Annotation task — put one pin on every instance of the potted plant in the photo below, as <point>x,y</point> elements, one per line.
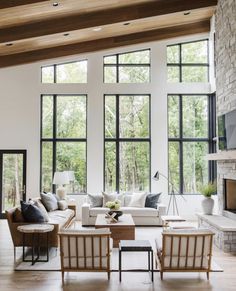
<point>208,203</point>
<point>114,207</point>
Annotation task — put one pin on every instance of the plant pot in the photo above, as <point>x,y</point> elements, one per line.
<point>207,205</point>
<point>118,213</point>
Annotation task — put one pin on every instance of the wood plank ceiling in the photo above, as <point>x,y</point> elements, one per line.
<point>34,30</point>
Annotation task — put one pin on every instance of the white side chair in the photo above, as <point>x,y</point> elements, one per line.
<point>85,251</point>
<point>185,251</point>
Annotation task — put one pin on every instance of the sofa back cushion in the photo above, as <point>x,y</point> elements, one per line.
<point>40,205</point>
<point>138,200</point>
<point>95,200</point>
<point>152,200</point>
<point>112,197</point>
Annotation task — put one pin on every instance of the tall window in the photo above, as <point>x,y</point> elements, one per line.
<point>127,142</point>
<point>73,72</point>
<point>191,131</point>
<point>63,139</point>
<point>132,67</point>
<point>188,62</point>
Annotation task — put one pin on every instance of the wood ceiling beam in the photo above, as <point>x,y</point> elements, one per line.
<point>13,3</point>
<point>102,44</point>
<point>93,19</point>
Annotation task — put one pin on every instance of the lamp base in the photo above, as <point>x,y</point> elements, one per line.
<point>61,193</point>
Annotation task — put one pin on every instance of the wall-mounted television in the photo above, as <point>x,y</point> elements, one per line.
<point>227,130</point>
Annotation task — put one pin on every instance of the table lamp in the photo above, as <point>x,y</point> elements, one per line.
<point>60,179</point>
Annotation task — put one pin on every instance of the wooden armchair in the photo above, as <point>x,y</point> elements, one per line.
<point>185,251</point>
<point>85,251</point>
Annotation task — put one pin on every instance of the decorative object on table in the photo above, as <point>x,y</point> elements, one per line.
<point>111,216</point>
<point>173,193</point>
<point>114,208</point>
<point>207,202</point>
<point>61,178</point>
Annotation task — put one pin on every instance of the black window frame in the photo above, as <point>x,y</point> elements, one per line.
<point>117,65</point>
<point>180,65</point>
<point>117,139</point>
<point>56,139</point>
<point>210,139</point>
<point>55,72</point>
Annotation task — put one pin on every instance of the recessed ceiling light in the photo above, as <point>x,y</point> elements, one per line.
<point>97,29</point>
<point>9,44</point>
<point>66,34</point>
<point>126,23</point>
<point>187,12</point>
<point>55,4</point>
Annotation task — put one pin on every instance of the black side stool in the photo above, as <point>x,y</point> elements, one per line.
<point>136,246</point>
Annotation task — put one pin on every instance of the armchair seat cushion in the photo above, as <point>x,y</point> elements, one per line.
<point>60,217</point>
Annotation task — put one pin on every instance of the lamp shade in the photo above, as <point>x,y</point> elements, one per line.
<point>60,178</point>
<point>71,175</point>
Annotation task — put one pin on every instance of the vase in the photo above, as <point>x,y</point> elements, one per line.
<point>118,213</point>
<point>208,205</point>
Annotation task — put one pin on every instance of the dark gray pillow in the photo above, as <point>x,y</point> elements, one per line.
<point>31,213</point>
<point>49,201</point>
<point>96,200</point>
<point>152,200</point>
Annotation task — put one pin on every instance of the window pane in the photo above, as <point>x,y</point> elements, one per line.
<point>110,60</point>
<point>47,116</point>
<point>134,166</point>
<point>47,74</point>
<point>132,74</point>
<point>110,166</point>
<point>110,116</point>
<point>110,74</point>
<point>134,116</point>
<point>173,74</point>
<point>195,116</point>
<point>71,116</point>
<point>47,150</point>
<point>173,116</point>
<point>173,54</point>
<point>140,57</point>
<point>195,166</point>
<point>195,52</point>
<point>71,156</point>
<point>72,72</point>
<point>174,166</point>
<point>194,74</point>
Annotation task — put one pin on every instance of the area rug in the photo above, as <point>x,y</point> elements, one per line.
<point>130,260</point>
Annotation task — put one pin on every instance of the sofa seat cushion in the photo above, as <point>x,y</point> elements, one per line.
<point>136,211</point>
<point>98,210</point>
<point>60,217</point>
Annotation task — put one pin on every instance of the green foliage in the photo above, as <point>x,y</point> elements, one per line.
<point>113,205</point>
<point>208,189</point>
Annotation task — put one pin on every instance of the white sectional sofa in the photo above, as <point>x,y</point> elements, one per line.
<point>141,216</point>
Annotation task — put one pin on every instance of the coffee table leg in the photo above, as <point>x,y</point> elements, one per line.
<point>23,247</point>
<point>120,265</point>
<point>152,263</point>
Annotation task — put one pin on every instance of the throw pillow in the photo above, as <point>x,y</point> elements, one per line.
<point>95,200</point>
<point>18,216</point>
<point>40,205</point>
<point>152,200</point>
<point>62,205</point>
<point>31,213</point>
<point>112,197</point>
<point>138,200</point>
<point>49,201</point>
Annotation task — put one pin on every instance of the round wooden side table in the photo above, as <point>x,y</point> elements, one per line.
<point>35,230</point>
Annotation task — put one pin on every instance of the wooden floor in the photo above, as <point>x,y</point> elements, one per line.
<point>51,281</point>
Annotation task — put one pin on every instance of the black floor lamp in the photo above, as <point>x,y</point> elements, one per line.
<point>172,200</point>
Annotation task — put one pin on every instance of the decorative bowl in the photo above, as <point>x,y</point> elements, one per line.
<point>118,213</point>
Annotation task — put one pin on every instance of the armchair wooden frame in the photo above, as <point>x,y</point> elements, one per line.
<point>199,263</point>
<point>98,267</point>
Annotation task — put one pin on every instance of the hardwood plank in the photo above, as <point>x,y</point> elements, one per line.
<point>96,45</point>
<point>99,18</point>
<point>14,3</point>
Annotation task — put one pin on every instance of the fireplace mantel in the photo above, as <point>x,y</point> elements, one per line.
<point>222,156</point>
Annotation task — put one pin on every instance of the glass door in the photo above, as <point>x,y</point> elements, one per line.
<point>12,179</point>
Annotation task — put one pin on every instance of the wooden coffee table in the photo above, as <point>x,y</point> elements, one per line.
<point>124,229</point>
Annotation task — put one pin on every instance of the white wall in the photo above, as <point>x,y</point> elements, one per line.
<point>20,114</point>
